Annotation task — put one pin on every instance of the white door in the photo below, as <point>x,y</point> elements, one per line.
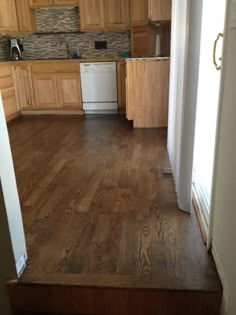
<point>207,101</point>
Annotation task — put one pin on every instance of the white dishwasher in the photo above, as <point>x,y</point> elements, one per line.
<point>99,87</point>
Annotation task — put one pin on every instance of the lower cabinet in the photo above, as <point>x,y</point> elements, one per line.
<point>8,93</point>
<point>69,90</point>
<point>45,90</point>
<point>23,86</point>
<point>148,92</point>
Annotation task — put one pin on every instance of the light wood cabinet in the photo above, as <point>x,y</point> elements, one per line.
<point>69,90</point>
<point>50,3</point>
<point>26,17</point>
<point>56,85</point>
<point>92,15</point>
<point>104,15</point>
<point>23,86</point>
<point>139,12</point>
<point>45,90</point>
<point>40,3</point>
<point>117,14</point>
<point>147,91</point>
<point>160,10</point>
<point>66,3</point>
<point>8,91</point>
<point>8,17</point>
<point>143,11</point>
<point>121,79</point>
<point>143,39</point>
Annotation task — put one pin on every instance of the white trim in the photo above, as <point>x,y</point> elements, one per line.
<point>225,285</point>
<point>21,264</point>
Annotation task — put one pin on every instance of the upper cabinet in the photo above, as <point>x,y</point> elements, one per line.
<point>8,17</point>
<point>53,3</point>
<point>68,3</point>
<point>139,12</point>
<point>26,18</point>
<point>103,15</point>
<point>16,17</point>
<point>143,11</point>
<point>40,3</point>
<point>92,15</point>
<point>160,10</point>
<point>117,14</point>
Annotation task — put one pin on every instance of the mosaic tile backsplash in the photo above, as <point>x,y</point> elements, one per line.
<point>64,20</point>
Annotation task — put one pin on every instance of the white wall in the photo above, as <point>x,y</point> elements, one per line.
<point>224,189</point>
<point>12,239</point>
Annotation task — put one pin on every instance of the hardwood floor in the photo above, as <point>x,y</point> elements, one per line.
<point>99,208</point>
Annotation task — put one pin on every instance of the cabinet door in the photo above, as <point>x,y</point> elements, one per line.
<point>139,12</point>
<point>117,14</point>
<point>45,90</point>
<point>160,10</point>
<point>66,3</point>
<point>69,90</point>
<point>143,41</point>
<point>23,85</point>
<point>26,18</point>
<point>40,3</point>
<point>8,17</point>
<point>92,15</point>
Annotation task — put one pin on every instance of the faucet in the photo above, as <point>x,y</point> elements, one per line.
<point>68,47</point>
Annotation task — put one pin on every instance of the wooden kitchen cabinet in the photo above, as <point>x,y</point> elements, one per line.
<point>117,14</point>
<point>147,88</point>
<point>143,11</point>
<point>40,3</point>
<point>69,90</point>
<point>66,3</point>
<point>23,86</point>
<point>52,3</point>
<point>139,12</point>
<point>143,40</point>
<point>8,16</point>
<point>121,79</point>
<point>8,91</point>
<point>160,10</point>
<point>26,17</point>
<point>45,91</point>
<point>92,15</point>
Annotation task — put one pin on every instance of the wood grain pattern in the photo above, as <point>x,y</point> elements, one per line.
<point>148,93</point>
<point>102,223</point>
<point>95,200</point>
<point>107,301</point>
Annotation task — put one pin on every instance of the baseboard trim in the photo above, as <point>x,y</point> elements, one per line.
<point>13,116</point>
<point>226,291</point>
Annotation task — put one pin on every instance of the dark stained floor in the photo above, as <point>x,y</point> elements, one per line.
<point>99,207</point>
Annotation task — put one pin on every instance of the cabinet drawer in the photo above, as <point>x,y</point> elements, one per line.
<point>54,68</point>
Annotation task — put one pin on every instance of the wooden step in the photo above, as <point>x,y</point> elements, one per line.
<point>30,299</point>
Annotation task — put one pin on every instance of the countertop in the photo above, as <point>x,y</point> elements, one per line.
<point>82,60</point>
<point>103,59</point>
